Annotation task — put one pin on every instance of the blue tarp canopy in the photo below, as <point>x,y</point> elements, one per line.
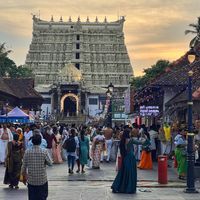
<point>16,115</point>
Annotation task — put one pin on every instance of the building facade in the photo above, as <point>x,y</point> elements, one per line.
<point>96,49</point>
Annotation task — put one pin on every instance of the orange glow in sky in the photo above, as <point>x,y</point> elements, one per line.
<point>154,29</point>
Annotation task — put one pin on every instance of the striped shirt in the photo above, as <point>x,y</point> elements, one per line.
<point>34,163</point>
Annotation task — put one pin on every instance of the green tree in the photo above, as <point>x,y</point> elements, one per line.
<point>150,74</point>
<point>196,31</point>
<point>24,72</point>
<point>8,66</point>
<point>3,57</point>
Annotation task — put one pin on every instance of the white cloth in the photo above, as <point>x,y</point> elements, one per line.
<point>3,144</point>
<point>108,150</point>
<point>99,137</point>
<point>153,135</point>
<point>27,136</point>
<point>197,137</point>
<point>50,153</point>
<point>178,140</point>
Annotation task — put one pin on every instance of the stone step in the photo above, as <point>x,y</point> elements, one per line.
<point>73,120</point>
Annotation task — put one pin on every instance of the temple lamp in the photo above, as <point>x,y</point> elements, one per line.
<point>109,94</point>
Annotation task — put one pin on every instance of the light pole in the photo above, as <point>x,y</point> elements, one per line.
<point>7,112</point>
<point>190,136</point>
<point>109,94</point>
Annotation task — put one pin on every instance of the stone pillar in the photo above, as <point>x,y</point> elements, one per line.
<point>59,98</point>
<point>52,103</point>
<point>79,102</point>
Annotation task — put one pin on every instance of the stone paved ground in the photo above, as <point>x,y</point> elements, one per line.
<point>95,185</point>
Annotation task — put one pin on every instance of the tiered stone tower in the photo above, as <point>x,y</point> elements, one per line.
<point>97,49</point>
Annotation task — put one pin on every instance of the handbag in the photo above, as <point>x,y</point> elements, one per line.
<point>23,179</point>
<point>64,146</point>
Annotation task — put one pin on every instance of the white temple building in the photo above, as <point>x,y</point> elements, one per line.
<point>87,54</point>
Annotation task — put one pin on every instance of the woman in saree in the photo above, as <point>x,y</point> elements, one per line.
<point>180,154</point>
<point>56,147</point>
<point>13,162</point>
<point>146,158</point>
<point>97,147</point>
<point>19,132</point>
<point>126,179</point>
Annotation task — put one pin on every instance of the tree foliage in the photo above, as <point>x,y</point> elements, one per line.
<point>196,31</point>
<point>8,66</point>
<point>150,74</point>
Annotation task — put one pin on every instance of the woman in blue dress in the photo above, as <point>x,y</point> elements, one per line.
<point>126,179</point>
<point>84,150</point>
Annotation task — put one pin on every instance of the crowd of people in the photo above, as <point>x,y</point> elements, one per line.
<point>90,145</point>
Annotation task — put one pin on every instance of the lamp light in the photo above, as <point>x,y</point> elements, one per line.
<point>111,87</point>
<point>191,55</point>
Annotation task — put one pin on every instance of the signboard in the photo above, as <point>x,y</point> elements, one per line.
<point>149,110</point>
<point>119,116</point>
<point>118,109</point>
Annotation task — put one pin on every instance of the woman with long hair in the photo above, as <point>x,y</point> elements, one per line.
<point>83,150</point>
<point>13,162</point>
<point>145,159</point>
<point>97,147</point>
<point>56,146</point>
<point>126,179</point>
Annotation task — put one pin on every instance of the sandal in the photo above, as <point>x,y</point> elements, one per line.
<point>182,178</point>
<point>10,186</point>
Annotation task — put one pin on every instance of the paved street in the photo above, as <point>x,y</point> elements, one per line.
<point>95,184</point>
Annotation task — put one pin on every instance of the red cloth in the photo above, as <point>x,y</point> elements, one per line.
<point>119,163</point>
<point>145,161</point>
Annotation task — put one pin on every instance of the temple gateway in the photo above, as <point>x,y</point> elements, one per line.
<point>74,62</point>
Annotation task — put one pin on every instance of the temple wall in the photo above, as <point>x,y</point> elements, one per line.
<point>96,48</point>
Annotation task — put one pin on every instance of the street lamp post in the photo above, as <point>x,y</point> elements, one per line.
<point>109,94</point>
<point>190,136</point>
<point>7,112</point>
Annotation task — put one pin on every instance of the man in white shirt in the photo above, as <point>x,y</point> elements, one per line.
<point>27,135</point>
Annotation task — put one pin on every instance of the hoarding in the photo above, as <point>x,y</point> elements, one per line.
<point>149,110</point>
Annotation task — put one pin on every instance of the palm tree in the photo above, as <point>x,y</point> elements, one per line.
<point>196,31</point>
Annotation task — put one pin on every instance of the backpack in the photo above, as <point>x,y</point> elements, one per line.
<point>70,144</point>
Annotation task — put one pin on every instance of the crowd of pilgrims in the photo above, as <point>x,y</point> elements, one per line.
<point>91,145</point>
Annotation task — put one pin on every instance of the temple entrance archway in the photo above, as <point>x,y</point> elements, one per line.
<point>69,105</point>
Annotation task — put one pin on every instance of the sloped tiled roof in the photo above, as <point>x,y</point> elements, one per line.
<point>177,73</point>
<point>19,87</point>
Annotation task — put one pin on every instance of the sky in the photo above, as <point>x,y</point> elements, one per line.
<point>154,29</point>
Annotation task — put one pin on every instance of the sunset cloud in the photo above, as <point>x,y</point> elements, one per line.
<point>154,29</point>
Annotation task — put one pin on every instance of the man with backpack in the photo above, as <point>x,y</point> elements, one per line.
<point>71,145</point>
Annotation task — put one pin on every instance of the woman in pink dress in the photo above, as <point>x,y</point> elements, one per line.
<point>56,147</point>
